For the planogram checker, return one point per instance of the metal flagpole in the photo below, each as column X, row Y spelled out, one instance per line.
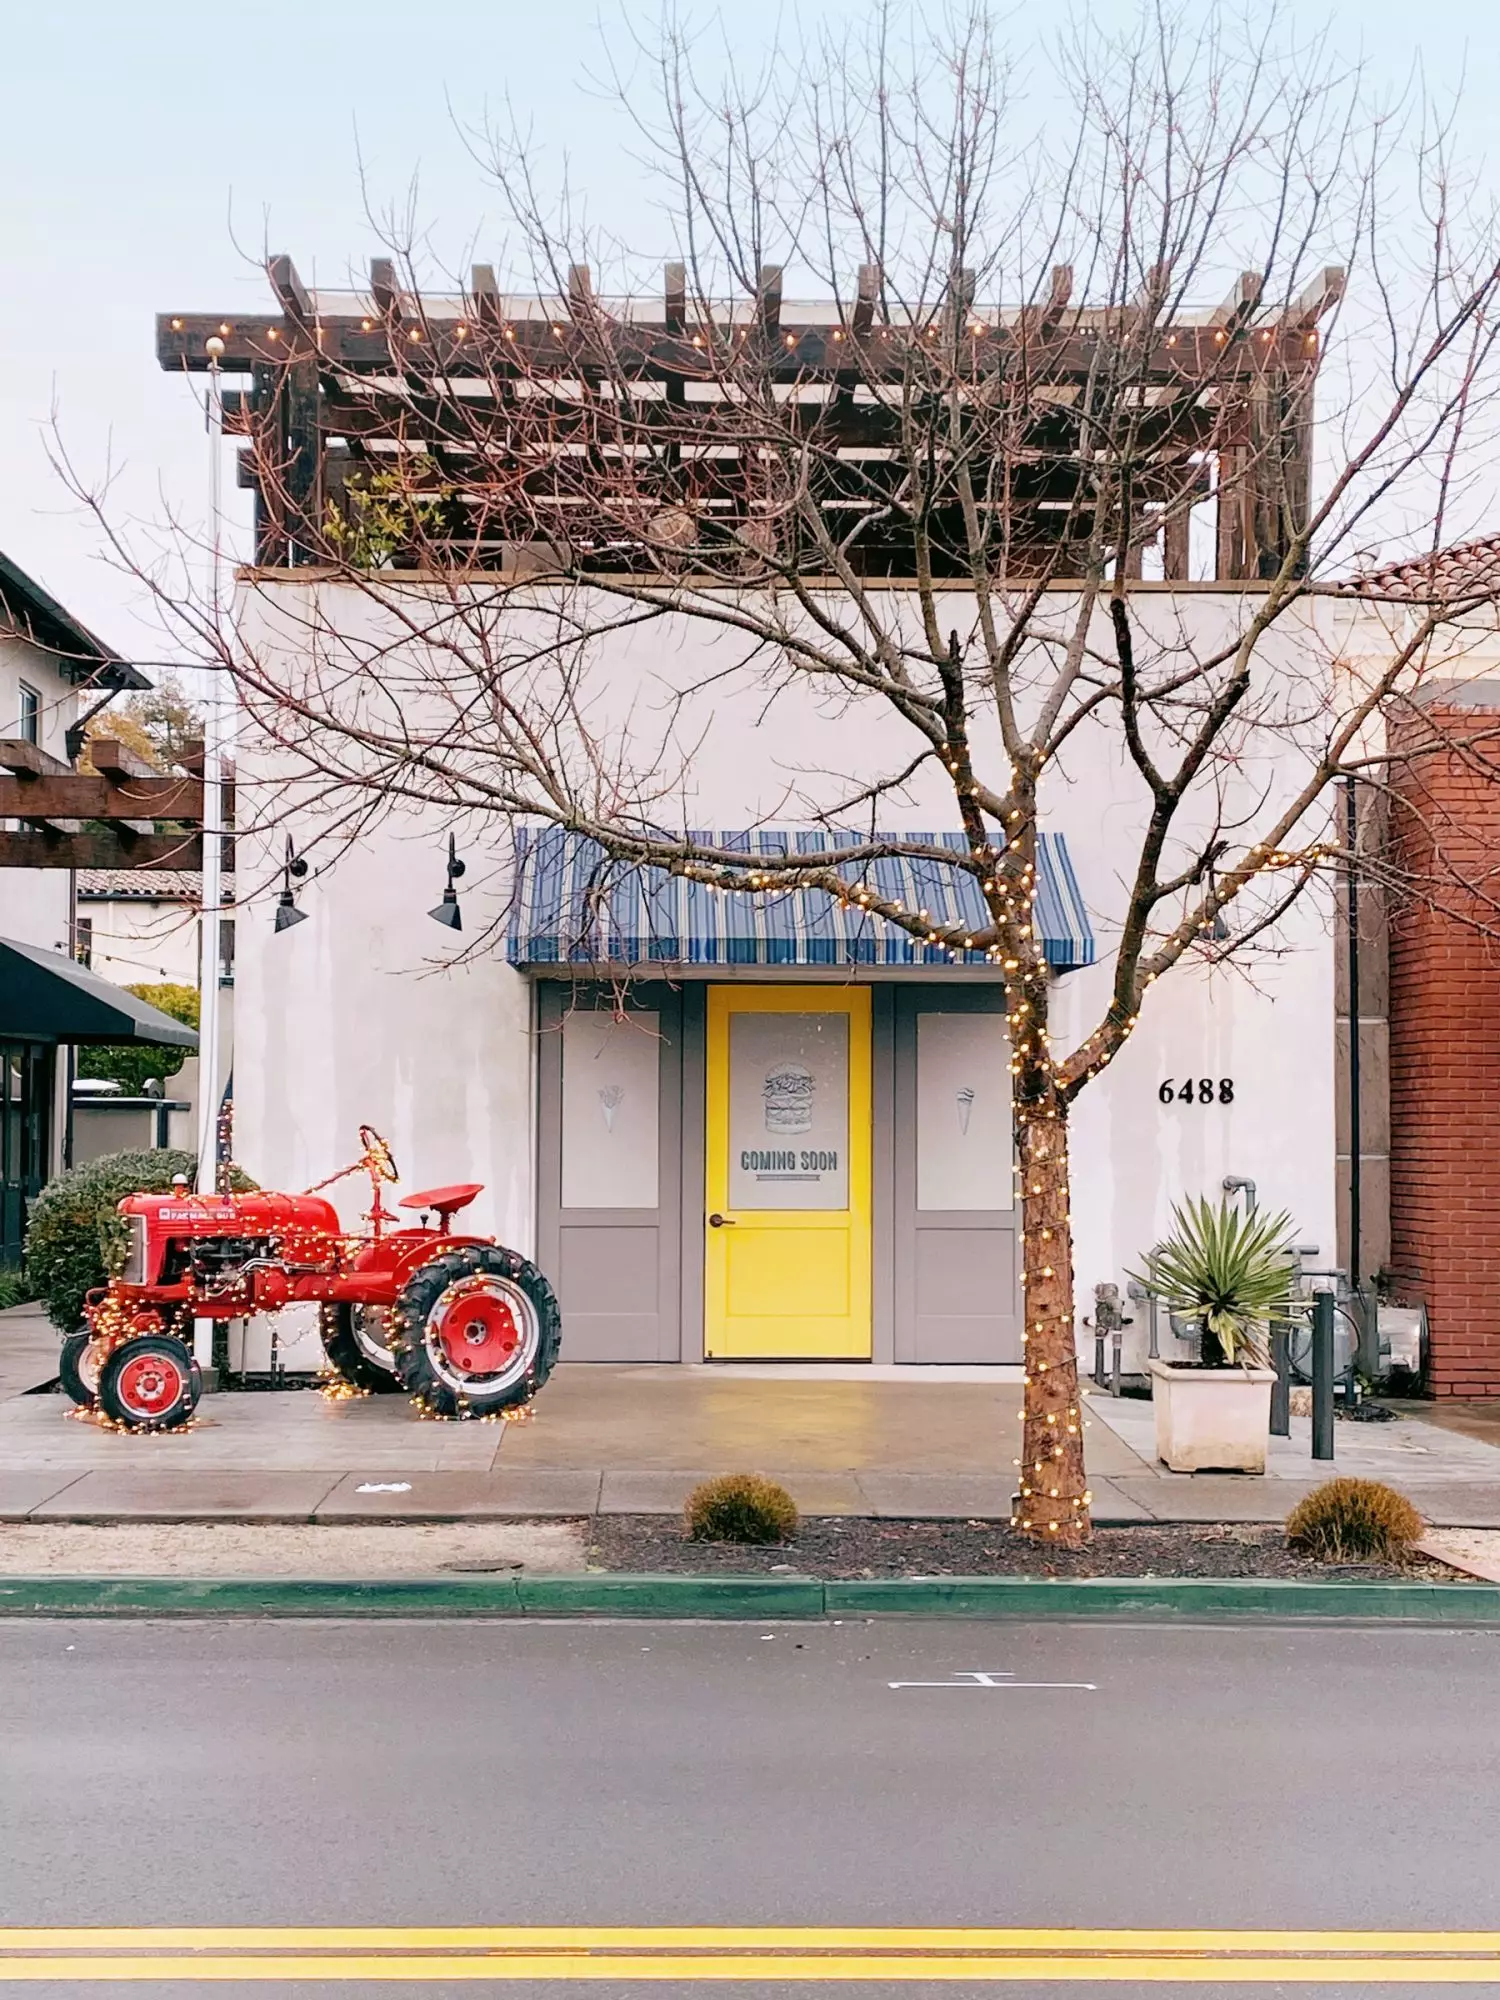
column 210, row 1080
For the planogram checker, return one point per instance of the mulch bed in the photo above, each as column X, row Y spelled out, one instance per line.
column 862, row 1548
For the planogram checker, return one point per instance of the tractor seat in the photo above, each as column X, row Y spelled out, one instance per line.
column 444, row 1200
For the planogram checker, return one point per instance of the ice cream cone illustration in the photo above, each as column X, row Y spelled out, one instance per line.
column 611, row 1097
column 965, row 1099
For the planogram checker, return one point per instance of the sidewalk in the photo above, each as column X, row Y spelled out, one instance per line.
column 1452, row 1478
column 629, row 1440
column 28, row 1350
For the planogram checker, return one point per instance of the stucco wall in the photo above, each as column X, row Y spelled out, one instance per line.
column 343, row 1019
column 364, row 1015
column 135, row 939
column 1133, row 1156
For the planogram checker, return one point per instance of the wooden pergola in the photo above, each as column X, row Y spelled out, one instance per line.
column 340, row 382
column 110, row 817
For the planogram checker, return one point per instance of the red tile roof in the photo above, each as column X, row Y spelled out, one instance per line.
column 1467, row 572
column 160, row 885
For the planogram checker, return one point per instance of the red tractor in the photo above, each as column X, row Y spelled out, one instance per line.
column 466, row 1328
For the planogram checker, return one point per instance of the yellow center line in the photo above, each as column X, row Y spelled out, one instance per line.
column 773, row 1954
column 772, row 1968
column 718, row 1937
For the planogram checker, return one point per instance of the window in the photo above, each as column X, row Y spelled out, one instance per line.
column 83, row 940
column 31, row 715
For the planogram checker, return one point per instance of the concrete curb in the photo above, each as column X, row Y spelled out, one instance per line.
column 598, row 1595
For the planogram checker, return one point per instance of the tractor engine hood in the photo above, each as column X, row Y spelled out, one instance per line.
column 199, row 1215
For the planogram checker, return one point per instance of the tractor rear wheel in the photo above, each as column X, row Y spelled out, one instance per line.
column 78, row 1369
column 475, row 1332
column 149, row 1383
column 356, row 1340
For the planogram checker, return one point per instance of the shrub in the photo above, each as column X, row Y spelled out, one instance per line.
column 14, row 1290
column 740, row 1507
column 74, row 1237
column 1354, row 1520
column 131, row 1064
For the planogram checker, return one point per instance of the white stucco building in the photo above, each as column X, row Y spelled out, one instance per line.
column 731, row 1129
column 608, row 1145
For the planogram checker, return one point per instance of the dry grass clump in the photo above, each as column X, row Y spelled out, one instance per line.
column 1354, row 1520
column 740, row 1507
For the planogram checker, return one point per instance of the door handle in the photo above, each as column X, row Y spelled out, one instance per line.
column 721, row 1222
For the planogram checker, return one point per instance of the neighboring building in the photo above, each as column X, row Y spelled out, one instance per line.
column 53, row 671
column 142, row 926
column 53, row 674
column 1433, row 968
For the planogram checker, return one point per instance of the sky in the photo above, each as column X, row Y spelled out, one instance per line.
column 149, row 157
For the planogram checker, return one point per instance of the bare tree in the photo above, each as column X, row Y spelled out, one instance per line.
column 908, row 498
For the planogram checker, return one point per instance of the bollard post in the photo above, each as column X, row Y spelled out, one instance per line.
column 1116, row 1340
column 1281, row 1388
column 1322, row 1375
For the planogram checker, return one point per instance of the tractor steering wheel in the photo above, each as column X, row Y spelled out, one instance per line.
column 378, row 1156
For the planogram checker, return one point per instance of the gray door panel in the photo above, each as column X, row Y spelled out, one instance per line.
column 615, row 1268
column 956, row 1269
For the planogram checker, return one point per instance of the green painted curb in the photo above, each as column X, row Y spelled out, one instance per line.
column 1160, row 1597
column 257, row 1597
column 594, row 1594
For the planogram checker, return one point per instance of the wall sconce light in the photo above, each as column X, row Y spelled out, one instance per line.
column 287, row 912
column 447, row 911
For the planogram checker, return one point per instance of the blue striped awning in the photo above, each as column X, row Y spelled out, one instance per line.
column 572, row 905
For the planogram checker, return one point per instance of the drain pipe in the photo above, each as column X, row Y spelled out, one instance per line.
column 1366, row 1317
column 1238, row 1184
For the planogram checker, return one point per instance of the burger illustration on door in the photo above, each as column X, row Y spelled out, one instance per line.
column 787, row 1095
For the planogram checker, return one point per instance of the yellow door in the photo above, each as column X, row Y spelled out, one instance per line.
column 788, row 1181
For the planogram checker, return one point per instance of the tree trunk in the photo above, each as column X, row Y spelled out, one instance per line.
column 1053, row 1495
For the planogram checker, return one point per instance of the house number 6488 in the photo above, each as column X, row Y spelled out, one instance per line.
column 1199, row 1090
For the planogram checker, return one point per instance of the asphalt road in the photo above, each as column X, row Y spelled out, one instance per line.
column 745, row 1776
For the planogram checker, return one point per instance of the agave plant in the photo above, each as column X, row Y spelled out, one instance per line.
column 1232, row 1271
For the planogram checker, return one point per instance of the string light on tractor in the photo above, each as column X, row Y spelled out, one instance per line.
column 460, row 1324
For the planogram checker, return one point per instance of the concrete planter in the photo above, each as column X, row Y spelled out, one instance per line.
column 1211, row 1419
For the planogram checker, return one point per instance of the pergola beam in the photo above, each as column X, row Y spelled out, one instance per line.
column 768, row 299
column 674, row 297
column 1319, row 297
column 101, row 848
column 292, row 295
column 78, row 795
column 805, row 350
column 384, row 289
column 1241, row 302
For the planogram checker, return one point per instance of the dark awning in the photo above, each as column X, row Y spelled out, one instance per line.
column 45, row 997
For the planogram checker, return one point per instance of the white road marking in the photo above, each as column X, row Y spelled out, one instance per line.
column 984, row 1679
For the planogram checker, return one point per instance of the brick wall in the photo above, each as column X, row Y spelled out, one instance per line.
column 1445, row 1050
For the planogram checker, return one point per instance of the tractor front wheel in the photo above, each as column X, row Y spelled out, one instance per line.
column 475, row 1332
column 149, row 1383
column 78, row 1369
column 356, row 1340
